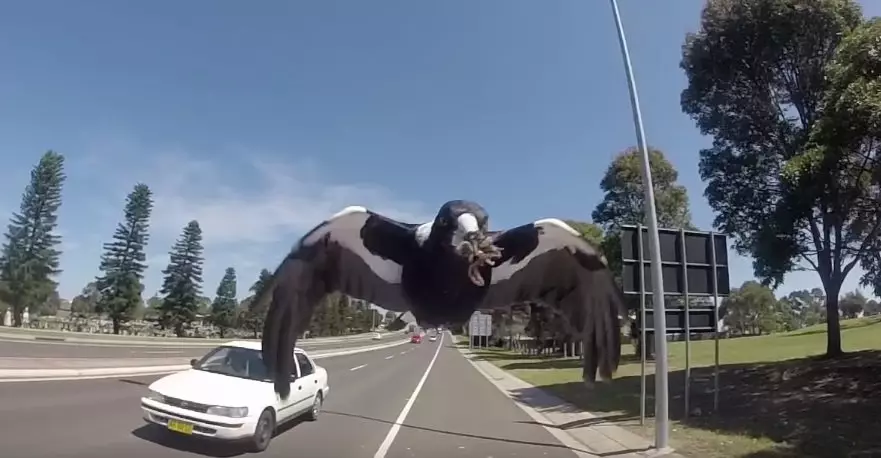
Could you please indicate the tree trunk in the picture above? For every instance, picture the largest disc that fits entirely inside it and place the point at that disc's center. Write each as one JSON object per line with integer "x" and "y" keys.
{"x": 16, "y": 317}
{"x": 116, "y": 325}
{"x": 833, "y": 324}
{"x": 222, "y": 332}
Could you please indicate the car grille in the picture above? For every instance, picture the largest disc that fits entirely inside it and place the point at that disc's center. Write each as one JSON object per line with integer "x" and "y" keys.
{"x": 188, "y": 405}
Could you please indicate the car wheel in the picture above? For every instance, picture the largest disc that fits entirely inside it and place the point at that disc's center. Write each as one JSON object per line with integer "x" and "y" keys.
{"x": 263, "y": 432}
{"x": 316, "y": 407}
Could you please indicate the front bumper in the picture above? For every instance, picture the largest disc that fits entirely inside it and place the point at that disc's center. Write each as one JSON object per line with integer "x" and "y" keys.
{"x": 212, "y": 426}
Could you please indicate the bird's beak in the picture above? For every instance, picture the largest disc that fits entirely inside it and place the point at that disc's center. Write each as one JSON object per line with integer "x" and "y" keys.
{"x": 468, "y": 226}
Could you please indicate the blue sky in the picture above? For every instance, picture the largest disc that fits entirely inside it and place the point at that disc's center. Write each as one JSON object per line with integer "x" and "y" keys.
{"x": 261, "y": 118}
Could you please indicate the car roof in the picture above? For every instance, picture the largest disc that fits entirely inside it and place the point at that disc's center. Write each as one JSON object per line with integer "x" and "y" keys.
{"x": 253, "y": 345}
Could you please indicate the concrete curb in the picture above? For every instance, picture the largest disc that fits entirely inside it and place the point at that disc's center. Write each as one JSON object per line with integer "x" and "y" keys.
{"x": 30, "y": 375}
{"x": 32, "y": 335}
{"x": 602, "y": 439}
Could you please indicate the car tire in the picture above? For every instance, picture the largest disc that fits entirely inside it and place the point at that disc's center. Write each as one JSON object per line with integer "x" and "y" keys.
{"x": 263, "y": 432}
{"x": 317, "y": 403}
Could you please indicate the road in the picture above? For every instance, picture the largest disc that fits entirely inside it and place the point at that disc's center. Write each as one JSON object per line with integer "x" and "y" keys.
{"x": 457, "y": 413}
{"x": 40, "y": 349}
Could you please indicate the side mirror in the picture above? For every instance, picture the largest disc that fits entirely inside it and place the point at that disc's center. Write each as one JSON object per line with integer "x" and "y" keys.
{"x": 193, "y": 362}
{"x": 293, "y": 377}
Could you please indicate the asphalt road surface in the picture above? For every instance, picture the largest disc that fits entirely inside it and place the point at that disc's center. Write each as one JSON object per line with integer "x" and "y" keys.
{"x": 38, "y": 349}
{"x": 457, "y": 413}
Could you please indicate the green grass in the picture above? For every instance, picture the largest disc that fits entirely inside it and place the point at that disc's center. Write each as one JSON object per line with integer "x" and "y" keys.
{"x": 779, "y": 396}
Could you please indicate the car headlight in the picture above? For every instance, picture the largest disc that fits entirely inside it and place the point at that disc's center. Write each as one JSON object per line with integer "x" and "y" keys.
{"x": 155, "y": 396}
{"x": 233, "y": 412}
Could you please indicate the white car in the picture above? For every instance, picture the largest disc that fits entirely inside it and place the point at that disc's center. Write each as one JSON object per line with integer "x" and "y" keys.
{"x": 229, "y": 395}
{"x": 433, "y": 338}
{"x": 377, "y": 336}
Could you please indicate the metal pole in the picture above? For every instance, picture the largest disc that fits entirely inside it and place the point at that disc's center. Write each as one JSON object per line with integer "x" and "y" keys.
{"x": 687, "y": 321}
{"x": 716, "y": 318}
{"x": 642, "y": 324}
{"x": 662, "y": 424}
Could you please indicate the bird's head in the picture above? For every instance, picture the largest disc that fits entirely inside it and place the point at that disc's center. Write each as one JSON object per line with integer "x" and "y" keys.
{"x": 465, "y": 225}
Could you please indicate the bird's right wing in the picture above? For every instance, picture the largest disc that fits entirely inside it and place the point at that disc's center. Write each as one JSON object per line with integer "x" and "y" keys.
{"x": 356, "y": 252}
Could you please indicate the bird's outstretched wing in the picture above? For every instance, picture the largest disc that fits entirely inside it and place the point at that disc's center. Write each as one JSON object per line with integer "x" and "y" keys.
{"x": 356, "y": 252}
{"x": 550, "y": 263}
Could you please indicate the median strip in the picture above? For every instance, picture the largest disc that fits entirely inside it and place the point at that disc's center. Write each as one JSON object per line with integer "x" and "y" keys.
{"x": 31, "y": 375}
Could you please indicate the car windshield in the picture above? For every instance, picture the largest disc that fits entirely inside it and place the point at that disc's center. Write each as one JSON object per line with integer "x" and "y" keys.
{"x": 235, "y": 362}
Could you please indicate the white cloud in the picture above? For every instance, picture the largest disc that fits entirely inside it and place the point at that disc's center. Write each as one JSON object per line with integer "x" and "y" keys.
{"x": 251, "y": 206}
{"x": 265, "y": 201}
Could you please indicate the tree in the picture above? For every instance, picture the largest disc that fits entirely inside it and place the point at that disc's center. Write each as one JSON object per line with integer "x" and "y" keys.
{"x": 589, "y": 231}
{"x": 852, "y": 304}
{"x": 808, "y": 307}
{"x": 751, "y": 309}
{"x": 50, "y": 306}
{"x": 873, "y": 308}
{"x": 182, "y": 285}
{"x": 223, "y": 309}
{"x": 29, "y": 258}
{"x": 85, "y": 303}
{"x": 623, "y": 202}
{"x": 254, "y": 315}
{"x": 124, "y": 260}
{"x": 757, "y": 79}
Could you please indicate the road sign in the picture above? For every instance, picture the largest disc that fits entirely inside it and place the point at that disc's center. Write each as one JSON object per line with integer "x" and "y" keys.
{"x": 694, "y": 265}
{"x": 480, "y": 325}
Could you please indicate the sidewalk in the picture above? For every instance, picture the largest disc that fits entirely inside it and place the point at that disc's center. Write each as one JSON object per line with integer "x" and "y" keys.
{"x": 602, "y": 439}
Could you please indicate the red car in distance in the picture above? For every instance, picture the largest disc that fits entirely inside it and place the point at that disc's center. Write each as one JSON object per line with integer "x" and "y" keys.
{"x": 416, "y": 338}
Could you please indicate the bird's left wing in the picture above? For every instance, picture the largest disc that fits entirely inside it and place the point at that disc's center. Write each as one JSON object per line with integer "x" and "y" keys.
{"x": 550, "y": 263}
{"x": 356, "y": 252}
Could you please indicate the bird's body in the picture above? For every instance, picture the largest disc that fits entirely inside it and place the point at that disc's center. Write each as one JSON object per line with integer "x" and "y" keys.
{"x": 442, "y": 272}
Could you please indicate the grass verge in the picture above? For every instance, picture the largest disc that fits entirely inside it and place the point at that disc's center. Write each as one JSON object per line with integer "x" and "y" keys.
{"x": 778, "y": 396}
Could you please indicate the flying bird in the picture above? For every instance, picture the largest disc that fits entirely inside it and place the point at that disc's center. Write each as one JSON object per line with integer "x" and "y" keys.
{"x": 442, "y": 272}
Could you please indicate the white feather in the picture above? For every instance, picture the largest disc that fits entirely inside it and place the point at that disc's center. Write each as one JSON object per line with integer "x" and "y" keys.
{"x": 556, "y": 235}
{"x": 422, "y": 233}
{"x": 345, "y": 228}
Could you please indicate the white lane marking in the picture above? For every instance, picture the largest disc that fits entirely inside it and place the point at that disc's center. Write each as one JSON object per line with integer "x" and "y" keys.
{"x": 393, "y": 432}
{"x": 358, "y": 367}
{"x": 403, "y": 352}
{"x": 170, "y": 352}
{"x": 390, "y": 357}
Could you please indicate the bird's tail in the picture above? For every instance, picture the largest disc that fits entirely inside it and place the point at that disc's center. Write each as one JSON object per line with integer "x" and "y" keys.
{"x": 602, "y": 330}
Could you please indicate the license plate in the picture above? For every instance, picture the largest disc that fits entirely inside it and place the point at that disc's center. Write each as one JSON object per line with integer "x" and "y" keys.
{"x": 180, "y": 427}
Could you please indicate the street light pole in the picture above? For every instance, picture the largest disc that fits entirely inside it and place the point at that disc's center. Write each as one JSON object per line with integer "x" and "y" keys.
{"x": 662, "y": 424}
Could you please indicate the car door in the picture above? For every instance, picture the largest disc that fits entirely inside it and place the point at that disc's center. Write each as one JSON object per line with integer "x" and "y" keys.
{"x": 308, "y": 379}
{"x": 290, "y": 407}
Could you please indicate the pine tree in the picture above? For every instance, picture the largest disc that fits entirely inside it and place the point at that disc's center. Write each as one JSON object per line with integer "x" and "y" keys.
{"x": 124, "y": 260}
{"x": 183, "y": 280}
{"x": 223, "y": 309}
{"x": 29, "y": 257}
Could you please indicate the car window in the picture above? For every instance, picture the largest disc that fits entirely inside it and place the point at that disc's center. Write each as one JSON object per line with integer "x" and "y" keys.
{"x": 305, "y": 365}
{"x": 234, "y": 361}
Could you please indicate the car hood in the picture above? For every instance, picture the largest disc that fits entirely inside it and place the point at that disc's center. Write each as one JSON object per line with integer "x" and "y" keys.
{"x": 215, "y": 389}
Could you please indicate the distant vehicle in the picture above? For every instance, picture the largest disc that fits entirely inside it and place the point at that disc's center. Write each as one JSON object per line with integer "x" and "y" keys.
{"x": 377, "y": 336}
{"x": 432, "y": 338}
{"x": 416, "y": 338}
{"x": 229, "y": 395}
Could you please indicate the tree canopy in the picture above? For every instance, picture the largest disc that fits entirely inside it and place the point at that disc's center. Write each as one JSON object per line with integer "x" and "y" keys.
{"x": 760, "y": 74}
{"x": 124, "y": 260}
{"x": 29, "y": 259}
